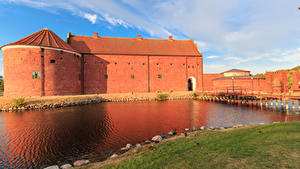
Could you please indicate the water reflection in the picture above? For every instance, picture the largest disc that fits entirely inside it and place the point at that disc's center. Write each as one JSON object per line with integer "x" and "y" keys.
{"x": 41, "y": 138}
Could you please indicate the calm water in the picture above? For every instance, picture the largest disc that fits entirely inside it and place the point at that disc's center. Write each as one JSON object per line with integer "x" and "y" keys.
{"x": 40, "y": 138}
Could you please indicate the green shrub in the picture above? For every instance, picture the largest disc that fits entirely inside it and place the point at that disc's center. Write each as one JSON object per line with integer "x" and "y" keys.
{"x": 161, "y": 96}
{"x": 290, "y": 80}
{"x": 195, "y": 95}
{"x": 18, "y": 101}
{"x": 1, "y": 84}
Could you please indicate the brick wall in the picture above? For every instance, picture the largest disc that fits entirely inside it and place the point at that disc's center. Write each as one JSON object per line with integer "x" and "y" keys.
{"x": 207, "y": 81}
{"x": 131, "y": 73}
{"x": 296, "y": 81}
{"x": 59, "y": 78}
{"x": 19, "y": 63}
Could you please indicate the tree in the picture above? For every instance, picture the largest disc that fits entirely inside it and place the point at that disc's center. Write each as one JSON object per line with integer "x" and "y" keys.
{"x": 260, "y": 75}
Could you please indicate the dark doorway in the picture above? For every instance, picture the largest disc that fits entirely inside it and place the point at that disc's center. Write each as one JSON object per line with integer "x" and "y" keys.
{"x": 190, "y": 85}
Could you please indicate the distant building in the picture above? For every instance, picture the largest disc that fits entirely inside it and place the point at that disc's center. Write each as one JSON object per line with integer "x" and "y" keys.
{"x": 236, "y": 72}
{"x": 42, "y": 64}
{"x": 241, "y": 81}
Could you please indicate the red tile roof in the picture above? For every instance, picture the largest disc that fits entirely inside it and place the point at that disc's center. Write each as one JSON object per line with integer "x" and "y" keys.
{"x": 44, "y": 38}
{"x": 133, "y": 46}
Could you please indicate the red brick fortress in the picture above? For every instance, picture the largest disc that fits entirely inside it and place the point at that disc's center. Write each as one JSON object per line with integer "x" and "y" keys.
{"x": 42, "y": 64}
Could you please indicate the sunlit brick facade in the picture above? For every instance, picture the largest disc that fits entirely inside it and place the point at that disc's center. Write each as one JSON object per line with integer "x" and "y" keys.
{"x": 44, "y": 65}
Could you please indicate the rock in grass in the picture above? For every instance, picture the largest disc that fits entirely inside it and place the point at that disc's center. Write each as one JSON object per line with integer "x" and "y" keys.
{"x": 157, "y": 139}
{"x": 174, "y": 131}
{"x": 128, "y": 146}
{"x": 114, "y": 156}
{"x": 147, "y": 142}
{"x": 202, "y": 128}
{"x": 124, "y": 149}
{"x": 52, "y": 167}
{"x": 170, "y": 133}
{"x": 194, "y": 128}
{"x": 187, "y": 129}
{"x": 80, "y": 162}
{"x": 66, "y": 166}
{"x": 164, "y": 136}
{"x": 138, "y": 145}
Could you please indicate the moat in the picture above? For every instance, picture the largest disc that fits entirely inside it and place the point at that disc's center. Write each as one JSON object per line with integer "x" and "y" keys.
{"x": 38, "y": 139}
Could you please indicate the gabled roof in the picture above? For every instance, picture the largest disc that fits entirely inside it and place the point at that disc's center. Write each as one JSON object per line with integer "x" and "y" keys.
{"x": 43, "y": 38}
{"x": 235, "y": 70}
{"x": 133, "y": 46}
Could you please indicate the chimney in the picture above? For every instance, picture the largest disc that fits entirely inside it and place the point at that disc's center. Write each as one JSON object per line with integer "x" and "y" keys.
{"x": 95, "y": 34}
{"x": 171, "y": 37}
{"x": 139, "y": 37}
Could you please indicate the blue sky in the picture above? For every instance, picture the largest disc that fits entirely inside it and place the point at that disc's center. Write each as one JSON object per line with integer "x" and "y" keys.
{"x": 251, "y": 34}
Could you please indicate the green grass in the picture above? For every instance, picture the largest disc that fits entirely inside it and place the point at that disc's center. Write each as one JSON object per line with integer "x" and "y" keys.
{"x": 18, "y": 101}
{"x": 195, "y": 95}
{"x": 275, "y": 146}
{"x": 161, "y": 96}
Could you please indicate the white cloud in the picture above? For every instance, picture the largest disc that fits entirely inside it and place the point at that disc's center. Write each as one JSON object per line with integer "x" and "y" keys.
{"x": 248, "y": 32}
{"x": 288, "y": 56}
{"x": 202, "y": 45}
{"x": 90, "y": 17}
{"x": 215, "y": 68}
{"x": 115, "y": 21}
{"x": 212, "y": 57}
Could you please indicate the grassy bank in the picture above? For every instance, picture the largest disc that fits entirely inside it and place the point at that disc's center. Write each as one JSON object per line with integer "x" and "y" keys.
{"x": 6, "y": 103}
{"x": 264, "y": 146}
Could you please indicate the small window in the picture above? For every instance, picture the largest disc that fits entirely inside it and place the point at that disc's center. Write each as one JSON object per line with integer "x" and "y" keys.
{"x": 35, "y": 75}
{"x": 116, "y": 63}
{"x": 157, "y": 64}
{"x": 159, "y": 76}
{"x": 197, "y": 64}
{"x": 79, "y": 77}
{"x": 42, "y": 49}
{"x": 106, "y": 76}
{"x": 143, "y": 63}
{"x": 171, "y": 64}
{"x": 132, "y": 76}
{"x": 61, "y": 52}
{"x": 183, "y": 64}
{"x": 128, "y": 63}
{"x": 61, "y": 58}
{"x": 52, "y": 61}
{"x": 188, "y": 66}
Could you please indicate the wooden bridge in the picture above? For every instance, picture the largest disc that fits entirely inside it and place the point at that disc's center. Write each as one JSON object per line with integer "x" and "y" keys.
{"x": 281, "y": 101}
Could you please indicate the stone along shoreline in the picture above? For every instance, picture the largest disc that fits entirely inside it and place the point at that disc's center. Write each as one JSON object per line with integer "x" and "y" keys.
{"x": 48, "y": 102}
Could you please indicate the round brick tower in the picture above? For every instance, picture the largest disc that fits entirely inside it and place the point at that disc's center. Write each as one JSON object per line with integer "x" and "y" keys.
{"x": 41, "y": 64}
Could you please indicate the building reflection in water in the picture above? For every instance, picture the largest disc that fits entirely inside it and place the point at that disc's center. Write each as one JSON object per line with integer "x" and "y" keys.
{"x": 41, "y": 138}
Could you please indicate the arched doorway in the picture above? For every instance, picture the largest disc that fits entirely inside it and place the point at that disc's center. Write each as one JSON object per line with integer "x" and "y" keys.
{"x": 191, "y": 84}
